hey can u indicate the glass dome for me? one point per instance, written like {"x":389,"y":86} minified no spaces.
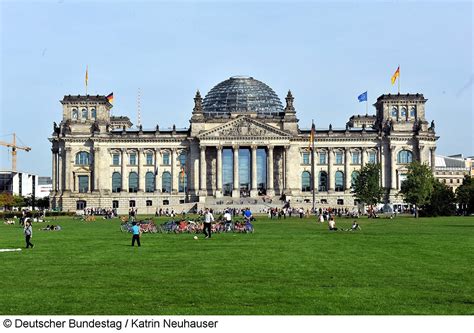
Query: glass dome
{"x":241,"y":94}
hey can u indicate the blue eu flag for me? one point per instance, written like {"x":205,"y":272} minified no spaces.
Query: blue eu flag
{"x":362,"y":97}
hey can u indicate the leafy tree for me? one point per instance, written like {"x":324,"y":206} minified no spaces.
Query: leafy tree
{"x":18,"y":201}
{"x":367,"y":187}
{"x":465,"y":195}
{"x":442,"y":201}
{"x":6,"y":200}
{"x":42,"y":203}
{"x":418,"y":186}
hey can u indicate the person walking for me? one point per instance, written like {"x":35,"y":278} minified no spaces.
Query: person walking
{"x":28,"y":231}
{"x":208,"y":219}
{"x":136,"y":234}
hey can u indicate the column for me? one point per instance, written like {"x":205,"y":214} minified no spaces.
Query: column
{"x":157,"y":177}
{"x":236,"y":190}
{"x":433,"y":159}
{"x":287,"y":170}
{"x":53,"y":168}
{"x":393,"y":168}
{"x":270,"y":190}
{"x":60,"y":166}
{"x":347,"y":176}
{"x":315,"y":176}
{"x":67,"y":169}
{"x":174,"y":172}
{"x":124,"y":170}
{"x":95,"y":169}
{"x":363,"y":158}
{"x":202,"y":179}
{"x":141,"y":176}
{"x":382,"y":165}
{"x":331,"y":181}
{"x":219,"y":172}
{"x":253,"y":190}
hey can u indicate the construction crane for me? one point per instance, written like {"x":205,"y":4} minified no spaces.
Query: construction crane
{"x":14,"y":147}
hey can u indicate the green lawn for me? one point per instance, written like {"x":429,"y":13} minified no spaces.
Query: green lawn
{"x":292,"y":266}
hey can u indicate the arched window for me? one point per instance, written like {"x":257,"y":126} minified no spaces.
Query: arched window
{"x":405,"y":157}
{"x":404,"y":112}
{"x":339,"y":178}
{"x":116,"y":182}
{"x":182,"y":181}
{"x":149,"y":182}
{"x":82,"y":158}
{"x":323,"y":181}
{"x":93,"y":114}
{"x":133,"y":182}
{"x":413,"y":111}
{"x":85,"y":114}
{"x":306,"y":181}
{"x":354,"y":177}
{"x":166,"y":182}
{"x":394,"y":111}
{"x":182,"y":159}
{"x":75,"y":114}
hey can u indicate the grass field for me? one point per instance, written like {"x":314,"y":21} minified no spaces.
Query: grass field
{"x":292,"y":266}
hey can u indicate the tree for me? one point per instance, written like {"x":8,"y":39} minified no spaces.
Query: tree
{"x":6,"y":200}
{"x":465,"y":195}
{"x":367,"y":187}
{"x":42,"y":203}
{"x":18,"y":201}
{"x":442,"y":201}
{"x":418,"y":186}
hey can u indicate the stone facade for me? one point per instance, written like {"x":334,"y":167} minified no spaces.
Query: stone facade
{"x":99,"y":161}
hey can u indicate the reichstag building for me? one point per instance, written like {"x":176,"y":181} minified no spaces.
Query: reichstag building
{"x":242,"y":146}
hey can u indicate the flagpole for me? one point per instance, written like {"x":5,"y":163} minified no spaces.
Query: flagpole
{"x":87,"y":76}
{"x":312,"y":165}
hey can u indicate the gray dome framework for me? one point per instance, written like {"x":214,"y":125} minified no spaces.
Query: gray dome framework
{"x":241,"y":94}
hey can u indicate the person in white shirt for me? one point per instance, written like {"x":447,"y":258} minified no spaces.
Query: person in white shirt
{"x":208,"y":219}
{"x":228,"y":221}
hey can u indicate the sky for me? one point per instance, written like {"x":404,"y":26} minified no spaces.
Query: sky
{"x":327,"y":53}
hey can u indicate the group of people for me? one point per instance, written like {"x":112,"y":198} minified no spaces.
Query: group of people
{"x":107,"y":213}
{"x":52,"y":227}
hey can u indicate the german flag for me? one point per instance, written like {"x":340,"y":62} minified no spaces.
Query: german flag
{"x":311,"y":136}
{"x":110,"y":97}
{"x":395,"y":75}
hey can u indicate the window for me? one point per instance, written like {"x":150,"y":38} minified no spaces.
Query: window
{"x":166,"y":202}
{"x":149,"y":158}
{"x":340,"y":201}
{"x":116,"y":182}
{"x":182,"y":181}
{"x":372,"y":157}
{"x":339,"y":178}
{"x":166,"y":158}
{"x":83,"y":184}
{"x":305,"y":156}
{"x":323,"y":182}
{"x":324,"y":201}
{"x":132,"y":159}
{"x":75,"y":114}
{"x":405,"y":157}
{"x":356,"y":157}
{"x":84,"y":114}
{"x":81,"y":204}
{"x":166,"y":182}
{"x":149,"y":182}
{"x":115,"y":204}
{"x":322,"y":157}
{"x":132,"y":203}
{"x":133,"y":182}
{"x":394,"y":112}
{"x":82,"y":158}
{"x":149,"y":203}
{"x":404,"y":113}
{"x":338,"y":157}
{"x":182,"y":159}
{"x":354,"y":177}
{"x":305,"y":181}
{"x":93,"y":114}
{"x":116,"y":159}
{"x":413,"y":112}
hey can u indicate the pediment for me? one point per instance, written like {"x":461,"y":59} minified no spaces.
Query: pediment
{"x":244,"y":127}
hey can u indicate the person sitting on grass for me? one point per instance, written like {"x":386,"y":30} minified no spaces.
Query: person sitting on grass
{"x":355,"y":226}
{"x":332,"y":224}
